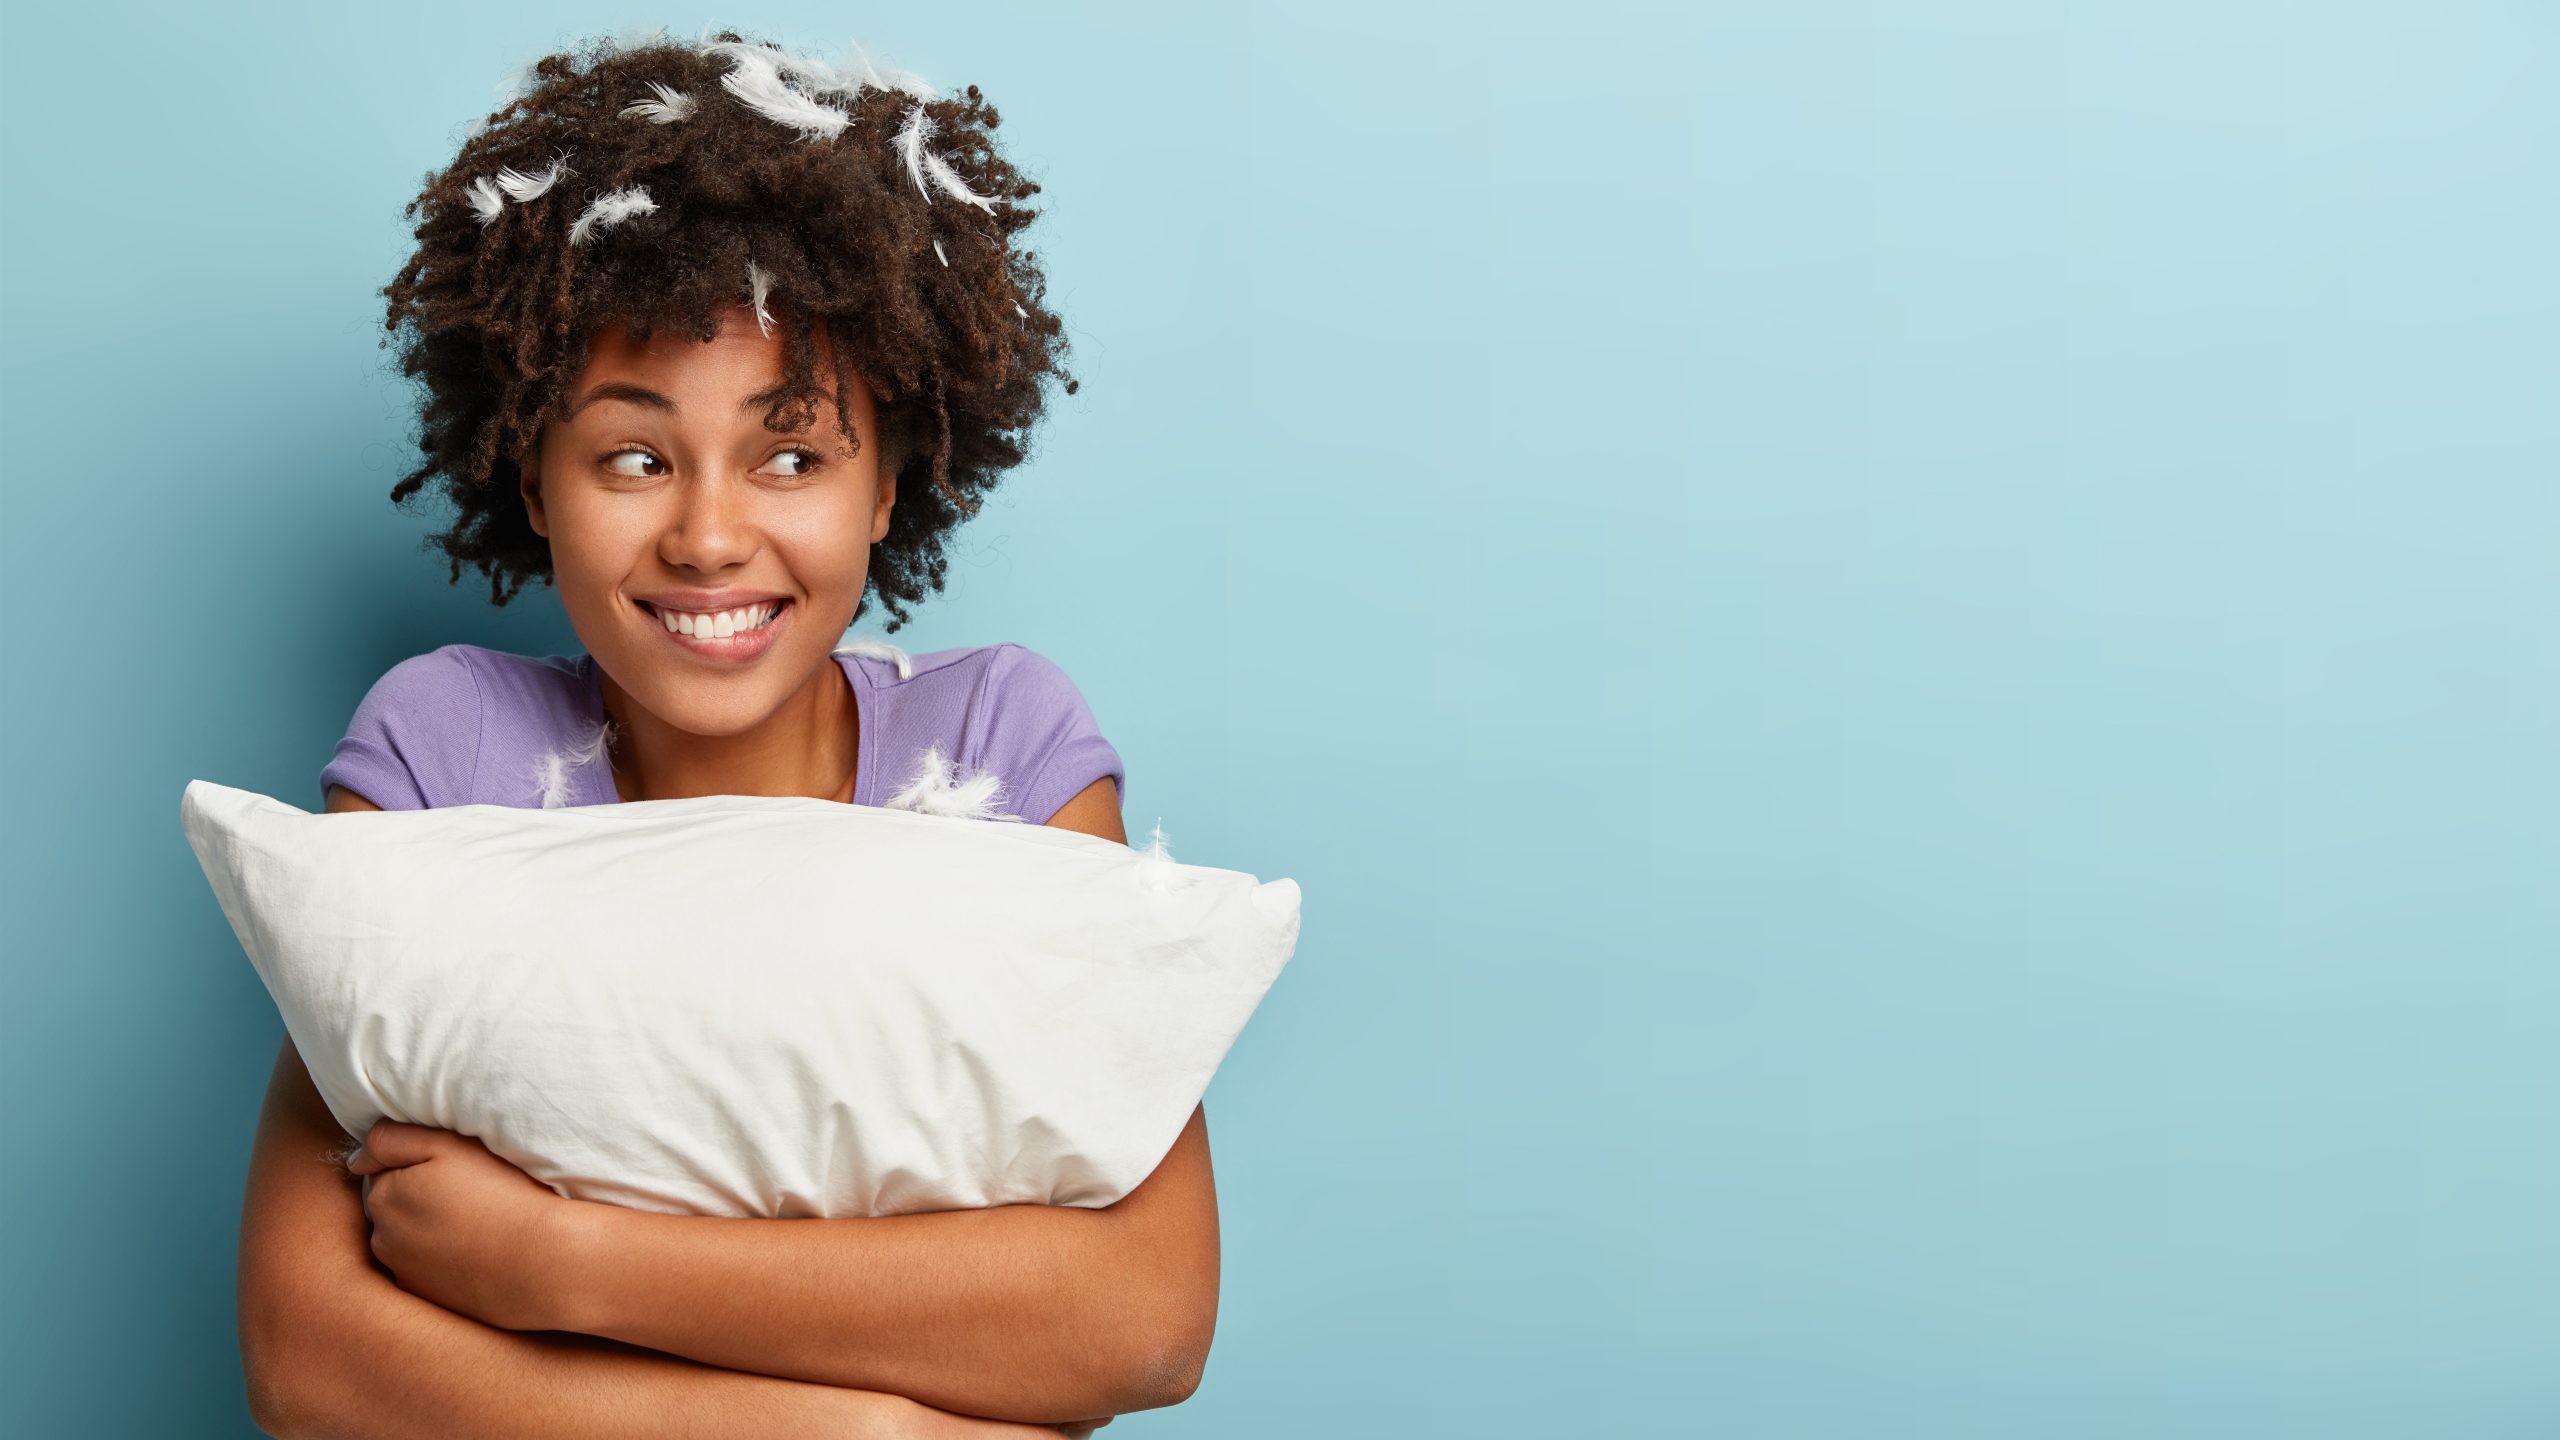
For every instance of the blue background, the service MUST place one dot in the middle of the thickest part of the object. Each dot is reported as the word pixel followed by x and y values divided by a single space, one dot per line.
pixel 1906 654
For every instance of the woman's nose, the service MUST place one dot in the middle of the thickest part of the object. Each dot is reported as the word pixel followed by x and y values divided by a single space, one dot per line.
pixel 712 528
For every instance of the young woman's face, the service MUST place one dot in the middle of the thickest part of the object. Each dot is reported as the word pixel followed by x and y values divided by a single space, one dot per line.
pixel 664 496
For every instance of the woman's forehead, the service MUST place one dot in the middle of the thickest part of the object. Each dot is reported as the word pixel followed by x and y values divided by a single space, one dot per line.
pixel 741 361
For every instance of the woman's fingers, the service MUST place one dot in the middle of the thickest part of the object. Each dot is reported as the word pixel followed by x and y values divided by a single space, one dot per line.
pixel 391 1144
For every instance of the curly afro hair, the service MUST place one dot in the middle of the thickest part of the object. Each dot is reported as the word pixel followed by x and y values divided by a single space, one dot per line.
pixel 658 184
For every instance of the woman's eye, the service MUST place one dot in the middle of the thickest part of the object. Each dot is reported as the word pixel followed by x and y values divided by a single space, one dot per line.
pixel 810 460
pixel 633 463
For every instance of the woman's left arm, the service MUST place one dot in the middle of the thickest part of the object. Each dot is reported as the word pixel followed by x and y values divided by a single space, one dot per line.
pixel 1018 1312
pixel 1036 1313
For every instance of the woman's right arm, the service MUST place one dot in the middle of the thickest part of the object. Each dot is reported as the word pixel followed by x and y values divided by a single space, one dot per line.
pixel 331 1346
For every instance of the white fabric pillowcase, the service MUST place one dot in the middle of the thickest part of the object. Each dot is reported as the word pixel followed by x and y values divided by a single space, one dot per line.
pixel 751 1006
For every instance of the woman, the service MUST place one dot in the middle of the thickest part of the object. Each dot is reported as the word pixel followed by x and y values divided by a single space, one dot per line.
pixel 685 316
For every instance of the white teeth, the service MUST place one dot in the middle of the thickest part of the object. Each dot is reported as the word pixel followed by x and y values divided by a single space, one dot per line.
pixel 720 624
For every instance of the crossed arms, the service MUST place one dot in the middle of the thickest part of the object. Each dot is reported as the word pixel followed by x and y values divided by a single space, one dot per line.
pixel 707 1326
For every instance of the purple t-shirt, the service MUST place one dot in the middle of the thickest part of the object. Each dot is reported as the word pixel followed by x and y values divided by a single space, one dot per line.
pixel 466 725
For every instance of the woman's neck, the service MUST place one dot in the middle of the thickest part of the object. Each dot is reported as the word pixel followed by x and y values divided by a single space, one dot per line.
pixel 805 747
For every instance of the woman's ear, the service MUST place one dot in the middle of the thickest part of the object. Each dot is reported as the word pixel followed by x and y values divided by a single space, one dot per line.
pixel 529 485
pixel 888 497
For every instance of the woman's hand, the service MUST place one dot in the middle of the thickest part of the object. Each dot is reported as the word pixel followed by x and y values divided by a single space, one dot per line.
pixel 460 1226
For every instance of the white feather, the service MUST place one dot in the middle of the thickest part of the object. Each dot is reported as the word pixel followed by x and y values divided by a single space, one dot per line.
pixel 670 106
pixel 891 77
pixel 816 76
pixel 485 198
pixel 909 143
pixel 757 82
pixel 1018 310
pixel 1156 867
pixel 936 790
pixel 879 650
pixel 949 179
pixel 938 255
pixel 551 773
pixel 524 187
pixel 611 208
pixel 759 283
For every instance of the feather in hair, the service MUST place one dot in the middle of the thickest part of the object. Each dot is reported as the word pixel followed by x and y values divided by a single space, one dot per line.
pixel 936 790
pixel 757 82
pixel 816 77
pixel 938 255
pixel 611 208
pixel 759 282
pixel 949 179
pixel 910 142
pixel 485 199
pixel 670 106
pixel 524 187
pixel 891 77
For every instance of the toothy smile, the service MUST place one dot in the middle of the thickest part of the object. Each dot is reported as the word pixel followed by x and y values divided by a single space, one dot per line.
pixel 717 624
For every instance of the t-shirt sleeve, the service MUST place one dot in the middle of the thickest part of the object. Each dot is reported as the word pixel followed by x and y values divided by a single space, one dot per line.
pixel 415 738
pixel 1046 745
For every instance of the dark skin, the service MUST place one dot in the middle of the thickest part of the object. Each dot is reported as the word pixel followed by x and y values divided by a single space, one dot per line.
pixel 1017 1319
pixel 943 296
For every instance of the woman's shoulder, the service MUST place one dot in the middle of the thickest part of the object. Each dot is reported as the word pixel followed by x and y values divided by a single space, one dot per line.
pixel 1004 709
pixel 500 684
pixel 1004 665
pixel 1006 683
pixel 435 726
pixel 414 737
pixel 467 665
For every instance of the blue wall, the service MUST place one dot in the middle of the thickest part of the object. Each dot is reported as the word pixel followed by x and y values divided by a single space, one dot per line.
pixel 1906 652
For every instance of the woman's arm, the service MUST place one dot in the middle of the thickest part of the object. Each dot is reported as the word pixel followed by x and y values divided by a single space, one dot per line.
pixel 330 1346
pixel 1021 1312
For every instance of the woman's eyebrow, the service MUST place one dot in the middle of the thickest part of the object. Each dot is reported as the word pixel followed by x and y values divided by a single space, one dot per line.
pixel 643 395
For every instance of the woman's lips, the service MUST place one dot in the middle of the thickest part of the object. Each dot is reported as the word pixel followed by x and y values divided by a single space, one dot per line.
pixel 737 649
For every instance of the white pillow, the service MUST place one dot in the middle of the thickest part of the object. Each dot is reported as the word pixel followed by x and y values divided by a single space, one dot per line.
pixel 751 1005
